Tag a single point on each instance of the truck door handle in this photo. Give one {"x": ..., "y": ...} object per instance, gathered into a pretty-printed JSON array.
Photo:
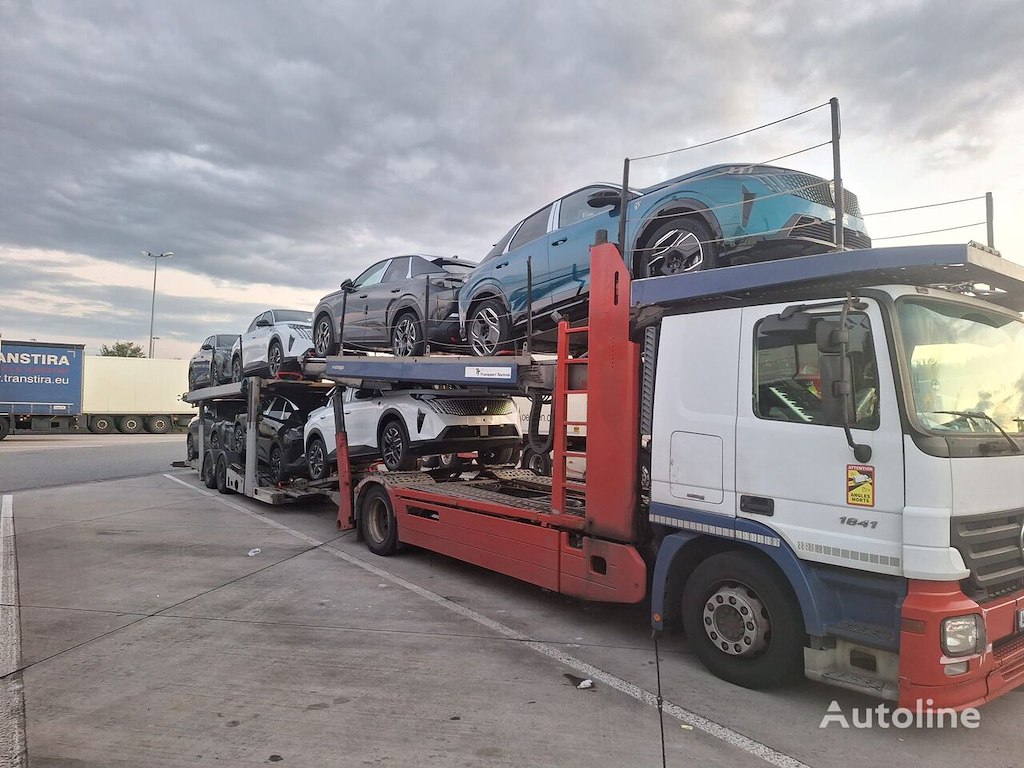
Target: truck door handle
[
  {"x": 757, "y": 505},
  {"x": 503, "y": 264},
  {"x": 559, "y": 241}
]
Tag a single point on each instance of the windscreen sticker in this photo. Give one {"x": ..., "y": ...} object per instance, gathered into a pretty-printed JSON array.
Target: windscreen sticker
[
  {"x": 488, "y": 372},
  {"x": 860, "y": 485}
]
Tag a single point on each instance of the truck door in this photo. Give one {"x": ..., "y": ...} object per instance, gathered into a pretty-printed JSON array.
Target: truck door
[{"x": 795, "y": 472}]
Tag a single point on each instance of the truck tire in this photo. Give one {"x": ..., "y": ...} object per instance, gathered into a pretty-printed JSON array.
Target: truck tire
[
  {"x": 158, "y": 425},
  {"x": 220, "y": 475},
  {"x": 5, "y": 428},
  {"x": 101, "y": 425},
  {"x": 130, "y": 425},
  {"x": 209, "y": 473},
  {"x": 377, "y": 522},
  {"x": 743, "y": 621}
]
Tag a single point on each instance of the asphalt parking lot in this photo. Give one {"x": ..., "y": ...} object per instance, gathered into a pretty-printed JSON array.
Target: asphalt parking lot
[{"x": 144, "y": 633}]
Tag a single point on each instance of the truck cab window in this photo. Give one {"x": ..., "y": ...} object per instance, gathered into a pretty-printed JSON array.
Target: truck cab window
[{"x": 787, "y": 382}]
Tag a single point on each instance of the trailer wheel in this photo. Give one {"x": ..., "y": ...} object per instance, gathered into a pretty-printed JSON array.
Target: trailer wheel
[
  {"x": 101, "y": 425},
  {"x": 377, "y": 522},
  {"x": 537, "y": 462},
  {"x": 394, "y": 446},
  {"x": 130, "y": 425},
  {"x": 5, "y": 428},
  {"x": 158, "y": 425},
  {"x": 209, "y": 471},
  {"x": 743, "y": 621},
  {"x": 221, "y": 475}
]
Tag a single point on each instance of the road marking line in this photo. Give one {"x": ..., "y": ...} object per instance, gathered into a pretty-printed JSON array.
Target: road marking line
[
  {"x": 710, "y": 727},
  {"x": 13, "y": 746}
]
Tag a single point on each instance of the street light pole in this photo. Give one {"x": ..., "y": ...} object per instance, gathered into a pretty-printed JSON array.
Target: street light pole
[{"x": 152, "y": 307}]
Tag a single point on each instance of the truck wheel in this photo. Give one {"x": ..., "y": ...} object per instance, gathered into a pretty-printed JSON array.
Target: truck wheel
[
  {"x": 537, "y": 462},
  {"x": 406, "y": 336},
  {"x": 5, "y": 428},
  {"x": 394, "y": 446},
  {"x": 377, "y": 522},
  {"x": 158, "y": 425},
  {"x": 316, "y": 459},
  {"x": 679, "y": 245},
  {"x": 130, "y": 425},
  {"x": 101, "y": 425},
  {"x": 209, "y": 471},
  {"x": 221, "y": 475},
  {"x": 743, "y": 621}
]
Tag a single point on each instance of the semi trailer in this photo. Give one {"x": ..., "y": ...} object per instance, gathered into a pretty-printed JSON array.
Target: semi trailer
[
  {"x": 57, "y": 388},
  {"x": 835, "y": 460}
]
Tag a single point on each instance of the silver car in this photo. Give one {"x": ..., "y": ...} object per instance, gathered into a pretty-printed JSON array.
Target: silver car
[{"x": 273, "y": 342}]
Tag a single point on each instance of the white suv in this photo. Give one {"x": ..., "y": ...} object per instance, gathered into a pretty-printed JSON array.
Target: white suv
[{"x": 402, "y": 425}]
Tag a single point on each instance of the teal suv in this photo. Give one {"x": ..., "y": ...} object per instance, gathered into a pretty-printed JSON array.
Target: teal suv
[{"x": 714, "y": 217}]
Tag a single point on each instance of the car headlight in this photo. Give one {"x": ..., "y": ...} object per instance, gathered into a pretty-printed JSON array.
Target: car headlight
[{"x": 962, "y": 635}]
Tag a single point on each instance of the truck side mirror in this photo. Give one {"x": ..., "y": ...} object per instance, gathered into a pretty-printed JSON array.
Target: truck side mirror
[{"x": 836, "y": 389}]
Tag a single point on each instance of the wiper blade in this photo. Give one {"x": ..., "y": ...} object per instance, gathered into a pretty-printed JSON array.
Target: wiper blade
[{"x": 985, "y": 417}]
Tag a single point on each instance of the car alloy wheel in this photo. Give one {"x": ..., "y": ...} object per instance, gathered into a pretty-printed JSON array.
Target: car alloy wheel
[
  {"x": 323, "y": 337},
  {"x": 275, "y": 358},
  {"x": 679, "y": 246},
  {"x": 236, "y": 369},
  {"x": 405, "y": 338},
  {"x": 394, "y": 447}
]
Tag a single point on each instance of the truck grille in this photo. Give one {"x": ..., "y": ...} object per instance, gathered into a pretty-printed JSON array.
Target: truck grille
[
  {"x": 990, "y": 545},
  {"x": 482, "y": 406}
]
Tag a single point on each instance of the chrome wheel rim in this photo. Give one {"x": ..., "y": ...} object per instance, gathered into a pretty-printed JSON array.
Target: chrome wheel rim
[
  {"x": 406, "y": 335},
  {"x": 678, "y": 251},
  {"x": 322, "y": 339},
  {"x": 392, "y": 446},
  {"x": 736, "y": 621},
  {"x": 485, "y": 332}
]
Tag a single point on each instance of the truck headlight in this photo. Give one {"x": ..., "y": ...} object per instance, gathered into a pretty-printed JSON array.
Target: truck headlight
[{"x": 962, "y": 635}]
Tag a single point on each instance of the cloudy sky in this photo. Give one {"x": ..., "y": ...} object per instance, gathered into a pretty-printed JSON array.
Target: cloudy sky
[{"x": 279, "y": 147}]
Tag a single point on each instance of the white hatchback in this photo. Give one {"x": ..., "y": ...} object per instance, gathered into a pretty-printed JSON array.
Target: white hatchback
[{"x": 399, "y": 426}]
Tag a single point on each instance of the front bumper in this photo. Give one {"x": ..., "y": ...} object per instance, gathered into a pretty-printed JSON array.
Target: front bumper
[{"x": 996, "y": 670}]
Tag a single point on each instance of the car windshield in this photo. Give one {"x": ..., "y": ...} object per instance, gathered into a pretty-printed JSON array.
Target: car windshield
[
  {"x": 292, "y": 316},
  {"x": 966, "y": 366},
  {"x": 225, "y": 340}
]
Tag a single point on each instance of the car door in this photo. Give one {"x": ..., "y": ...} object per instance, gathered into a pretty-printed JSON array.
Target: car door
[
  {"x": 255, "y": 341},
  {"x": 270, "y": 421},
  {"x": 361, "y": 414},
  {"x": 530, "y": 244},
  {"x": 379, "y": 299},
  {"x": 357, "y": 305},
  {"x": 576, "y": 225}
]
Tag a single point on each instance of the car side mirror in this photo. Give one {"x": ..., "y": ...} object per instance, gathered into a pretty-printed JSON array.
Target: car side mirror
[
  {"x": 261, "y": 323},
  {"x": 348, "y": 285},
  {"x": 605, "y": 197},
  {"x": 207, "y": 346}
]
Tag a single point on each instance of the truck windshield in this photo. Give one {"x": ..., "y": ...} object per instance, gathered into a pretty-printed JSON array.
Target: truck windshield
[{"x": 966, "y": 366}]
